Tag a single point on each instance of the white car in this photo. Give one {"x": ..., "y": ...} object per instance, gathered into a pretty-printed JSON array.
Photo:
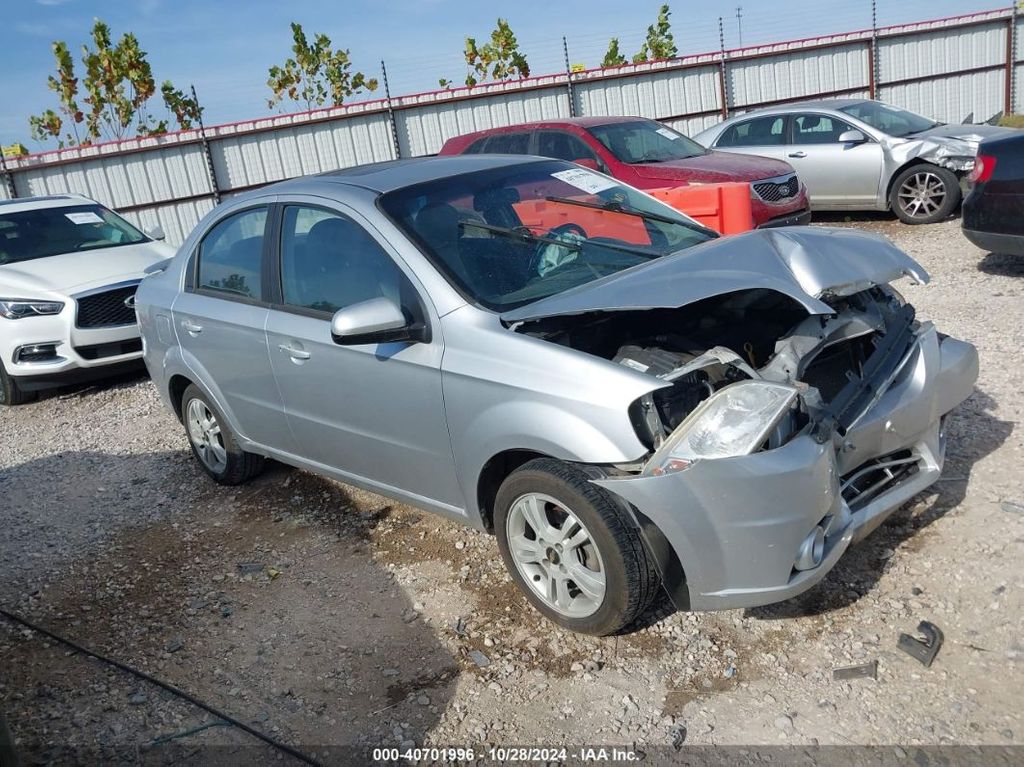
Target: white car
[{"x": 69, "y": 269}]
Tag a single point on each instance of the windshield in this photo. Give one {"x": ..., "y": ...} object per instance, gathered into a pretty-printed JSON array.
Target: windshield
[
  {"x": 890, "y": 120},
  {"x": 509, "y": 236},
  {"x": 645, "y": 141},
  {"x": 30, "y": 234}
]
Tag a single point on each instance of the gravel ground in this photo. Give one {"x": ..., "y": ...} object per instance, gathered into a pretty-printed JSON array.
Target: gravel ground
[{"x": 327, "y": 616}]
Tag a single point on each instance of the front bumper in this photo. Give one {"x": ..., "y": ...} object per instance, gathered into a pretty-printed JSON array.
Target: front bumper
[
  {"x": 736, "y": 525},
  {"x": 80, "y": 353}
]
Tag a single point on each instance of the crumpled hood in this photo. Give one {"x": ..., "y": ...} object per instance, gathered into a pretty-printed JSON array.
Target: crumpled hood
[
  {"x": 970, "y": 133},
  {"x": 72, "y": 272},
  {"x": 801, "y": 262},
  {"x": 715, "y": 167},
  {"x": 951, "y": 146}
]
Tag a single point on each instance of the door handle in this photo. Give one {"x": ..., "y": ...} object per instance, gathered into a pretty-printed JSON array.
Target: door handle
[
  {"x": 294, "y": 353},
  {"x": 191, "y": 327},
  {"x": 798, "y": 154}
]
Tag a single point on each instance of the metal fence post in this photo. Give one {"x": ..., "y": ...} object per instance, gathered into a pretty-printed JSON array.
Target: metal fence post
[
  {"x": 391, "y": 112},
  {"x": 568, "y": 78},
  {"x": 723, "y": 85},
  {"x": 1011, "y": 52},
  {"x": 873, "y": 52},
  {"x": 208, "y": 156},
  {"x": 8, "y": 176}
]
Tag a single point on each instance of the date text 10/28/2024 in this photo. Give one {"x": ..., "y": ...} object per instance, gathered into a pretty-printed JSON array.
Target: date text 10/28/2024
[{"x": 594, "y": 754}]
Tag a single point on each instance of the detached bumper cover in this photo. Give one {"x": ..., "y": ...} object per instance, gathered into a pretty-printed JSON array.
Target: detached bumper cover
[{"x": 736, "y": 524}]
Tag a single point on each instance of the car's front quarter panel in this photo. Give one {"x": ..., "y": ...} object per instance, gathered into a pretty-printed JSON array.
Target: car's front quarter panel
[{"x": 507, "y": 391}]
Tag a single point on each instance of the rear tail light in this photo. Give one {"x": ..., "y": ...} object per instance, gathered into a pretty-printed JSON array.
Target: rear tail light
[{"x": 984, "y": 166}]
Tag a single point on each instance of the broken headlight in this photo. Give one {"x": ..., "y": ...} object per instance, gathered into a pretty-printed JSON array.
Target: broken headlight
[{"x": 734, "y": 421}]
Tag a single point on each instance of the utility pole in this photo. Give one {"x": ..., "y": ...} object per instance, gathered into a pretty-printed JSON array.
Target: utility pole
[
  {"x": 395, "y": 143},
  {"x": 739, "y": 23}
]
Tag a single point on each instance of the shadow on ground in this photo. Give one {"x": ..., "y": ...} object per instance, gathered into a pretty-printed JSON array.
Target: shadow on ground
[
  {"x": 973, "y": 434},
  {"x": 263, "y": 600},
  {"x": 1002, "y": 265}
]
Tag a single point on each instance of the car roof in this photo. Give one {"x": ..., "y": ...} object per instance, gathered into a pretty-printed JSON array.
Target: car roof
[
  {"x": 395, "y": 174},
  {"x": 561, "y": 122},
  {"x": 19, "y": 204},
  {"x": 797, "y": 106}
]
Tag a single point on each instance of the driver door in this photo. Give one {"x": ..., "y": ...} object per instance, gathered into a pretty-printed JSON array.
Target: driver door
[
  {"x": 836, "y": 174},
  {"x": 373, "y": 412}
]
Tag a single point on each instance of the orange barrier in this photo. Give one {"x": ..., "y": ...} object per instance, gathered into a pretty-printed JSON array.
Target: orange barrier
[{"x": 722, "y": 207}]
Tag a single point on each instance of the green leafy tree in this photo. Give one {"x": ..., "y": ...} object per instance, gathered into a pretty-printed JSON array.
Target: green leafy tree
[
  {"x": 317, "y": 74},
  {"x": 659, "y": 43},
  {"x": 110, "y": 100},
  {"x": 500, "y": 59},
  {"x": 612, "y": 57}
]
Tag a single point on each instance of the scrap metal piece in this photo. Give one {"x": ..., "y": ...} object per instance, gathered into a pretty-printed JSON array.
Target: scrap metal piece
[
  {"x": 863, "y": 670},
  {"x": 923, "y": 650}
]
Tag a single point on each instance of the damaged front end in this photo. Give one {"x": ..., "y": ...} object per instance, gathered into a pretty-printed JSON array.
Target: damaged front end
[{"x": 778, "y": 433}]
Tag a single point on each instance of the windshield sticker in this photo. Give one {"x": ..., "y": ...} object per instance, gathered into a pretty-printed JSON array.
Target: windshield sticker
[
  {"x": 83, "y": 217},
  {"x": 585, "y": 180},
  {"x": 671, "y": 135}
]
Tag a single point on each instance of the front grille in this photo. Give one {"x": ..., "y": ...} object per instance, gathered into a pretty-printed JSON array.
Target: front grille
[
  {"x": 117, "y": 348},
  {"x": 776, "y": 190},
  {"x": 106, "y": 309},
  {"x": 875, "y": 477}
]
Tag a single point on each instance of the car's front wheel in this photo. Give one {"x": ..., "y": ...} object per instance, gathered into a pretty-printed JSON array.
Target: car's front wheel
[
  {"x": 213, "y": 443},
  {"x": 10, "y": 392},
  {"x": 924, "y": 194},
  {"x": 572, "y": 549}
]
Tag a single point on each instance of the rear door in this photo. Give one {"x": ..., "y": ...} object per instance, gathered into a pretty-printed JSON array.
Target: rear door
[
  {"x": 836, "y": 174},
  {"x": 371, "y": 411},
  {"x": 220, "y": 321},
  {"x": 764, "y": 136}
]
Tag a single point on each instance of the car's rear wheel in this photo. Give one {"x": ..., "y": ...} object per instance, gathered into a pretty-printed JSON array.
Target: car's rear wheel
[
  {"x": 572, "y": 549},
  {"x": 213, "y": 443},
  {"x": 924, "y": 194},
  {"x": 10, "y": 393}
]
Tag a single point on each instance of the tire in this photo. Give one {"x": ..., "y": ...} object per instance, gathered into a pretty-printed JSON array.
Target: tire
[
  {"x": 213, "y": 443},
  {"x": 607, "y": 546},
  {"x": 924, "y": 194},
  {"x": 10, "y": 393}
]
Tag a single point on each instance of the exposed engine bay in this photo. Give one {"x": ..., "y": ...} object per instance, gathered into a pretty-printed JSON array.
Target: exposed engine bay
[{"x": 750, "y": 335}]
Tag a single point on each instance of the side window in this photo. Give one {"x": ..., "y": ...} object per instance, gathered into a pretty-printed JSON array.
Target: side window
[
  {"x": 508, "y": 143},
  {"x": 762, "y": 131},
  {"x": 477, "y": 146},
  {"x": 818, "y": 129},
  {"x": 563, "y": 146},
  {"x": 231, "y": 255},
  {"x": 328, "y": 262}
]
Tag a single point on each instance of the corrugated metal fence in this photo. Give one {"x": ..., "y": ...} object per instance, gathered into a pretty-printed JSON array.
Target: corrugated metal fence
[{"x": 945, "y": 69}]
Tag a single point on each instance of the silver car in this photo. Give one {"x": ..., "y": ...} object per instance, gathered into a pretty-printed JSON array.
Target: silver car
[
  {"x": 856, "y": 154},
  {"x": 68, "y": 273},
  {"x": 526, "y": 346}
]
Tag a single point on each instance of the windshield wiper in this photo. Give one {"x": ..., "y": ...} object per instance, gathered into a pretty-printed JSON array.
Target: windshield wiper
[
  {"x": 618, "y": 207},
  {"x": 520, "y": 233},
  {"x": 523, "y": 234}
]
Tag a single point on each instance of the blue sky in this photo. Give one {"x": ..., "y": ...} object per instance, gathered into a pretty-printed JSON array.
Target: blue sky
[{"x": 225, "y": 48}]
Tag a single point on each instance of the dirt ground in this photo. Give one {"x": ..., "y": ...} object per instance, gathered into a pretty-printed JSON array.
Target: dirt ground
[{"x": 328, "y": 617}]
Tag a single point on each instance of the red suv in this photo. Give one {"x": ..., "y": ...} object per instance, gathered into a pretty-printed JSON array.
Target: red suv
[{"x": 648, "y": 155}]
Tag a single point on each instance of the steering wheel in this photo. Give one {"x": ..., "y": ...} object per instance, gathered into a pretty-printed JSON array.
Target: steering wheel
[{"x": 554, "y": 233}]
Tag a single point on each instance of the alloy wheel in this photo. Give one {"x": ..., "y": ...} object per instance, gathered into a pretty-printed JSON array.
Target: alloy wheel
[
  {"x": 556, "y": 555},
  {"x": 205, "y": 434},
  {"x": 921, "y": 194}
]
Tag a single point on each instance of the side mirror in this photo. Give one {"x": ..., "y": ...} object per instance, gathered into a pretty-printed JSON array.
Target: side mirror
[
  {"x": 376, "y": 321},
  {"x": 852, "y": 137},
  {"x": 156, "y": 233},
  {"x": 588, "y": 162}
]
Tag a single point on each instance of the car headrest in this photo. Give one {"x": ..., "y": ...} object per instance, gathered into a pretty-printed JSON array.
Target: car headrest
[{"x": 500, "y": 197}]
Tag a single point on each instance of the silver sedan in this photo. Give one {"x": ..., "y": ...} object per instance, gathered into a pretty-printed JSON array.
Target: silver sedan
[
  {"x": 856, "y": 154},
  {"x": 625, "y": 399}
]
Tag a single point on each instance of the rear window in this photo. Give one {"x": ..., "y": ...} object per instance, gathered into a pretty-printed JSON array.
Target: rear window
[{"x": 31, "y": 234}]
